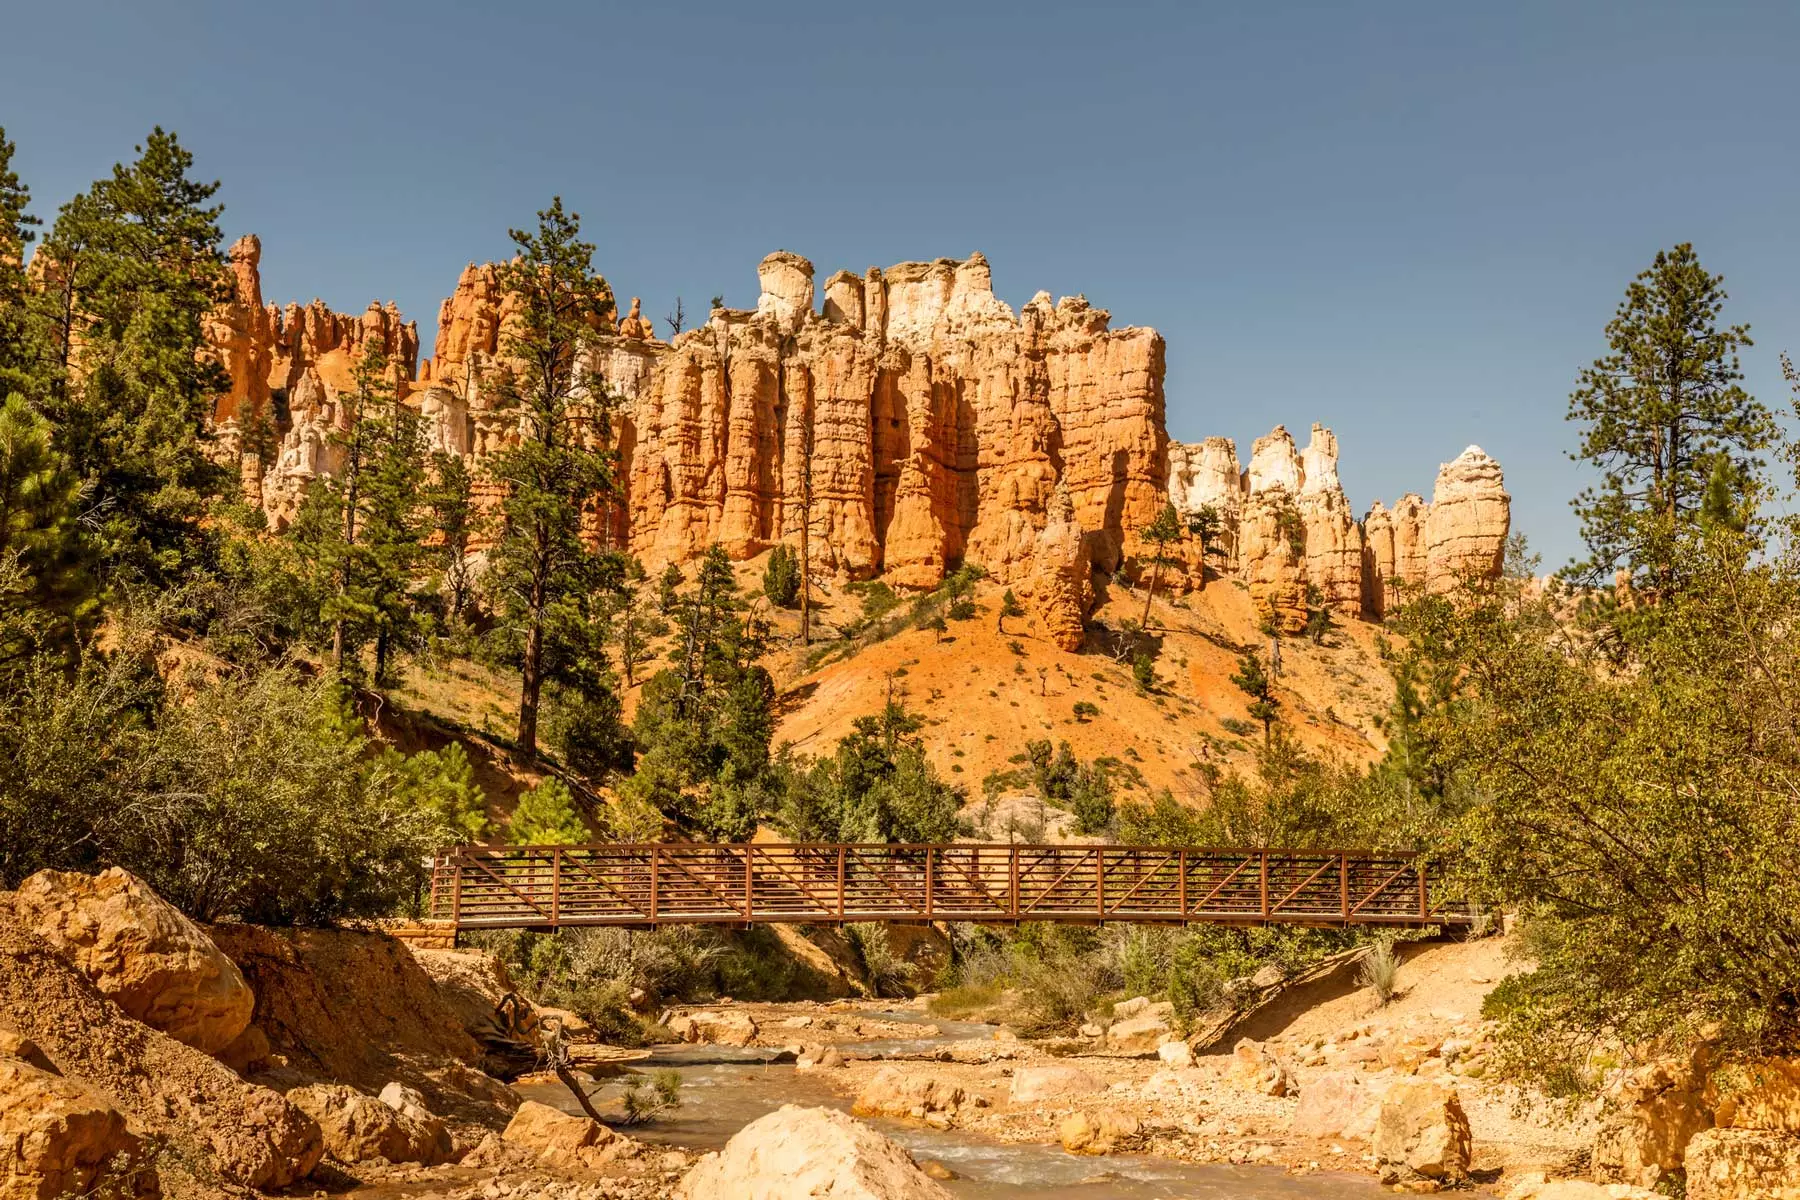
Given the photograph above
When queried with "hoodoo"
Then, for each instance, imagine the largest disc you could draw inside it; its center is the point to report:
(929, 423)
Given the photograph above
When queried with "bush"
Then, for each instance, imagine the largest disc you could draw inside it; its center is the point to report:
(781, 577)
(886, 973)
(255, 797)
(878, 599)
(644, 1097)
(1086, 710)
(1143, 671)
(586, 727)
(1379, 970)
(546, 816)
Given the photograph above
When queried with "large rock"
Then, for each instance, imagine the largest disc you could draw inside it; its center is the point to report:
(727, 1028)
(1337, 1104)
(800, 1153)
(59, 1140)
(1255, 1068)
(1538, 1188)
(358, 1127)
(1652, 1113)
(1087, 1132)
(897, 1092)
(1141, 1032)
(212, 1120)
(1761, 1095)
(1421, 1134)
(1743, 1164)
(1034, 1085)
(1465, 531)
(139, 951)
(558, 1139)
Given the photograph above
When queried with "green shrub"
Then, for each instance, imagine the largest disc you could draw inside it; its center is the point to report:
(1086, 710)
(547, 816)
(781, 577)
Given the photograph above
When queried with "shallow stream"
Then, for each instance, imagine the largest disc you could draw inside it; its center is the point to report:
(724, 1089)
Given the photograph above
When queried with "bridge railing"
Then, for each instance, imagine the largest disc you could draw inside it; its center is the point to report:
(480, 887)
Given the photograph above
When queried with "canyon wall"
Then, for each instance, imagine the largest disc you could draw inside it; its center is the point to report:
(1286, 528)
(908, 417)
(290, 366)
(929, 424)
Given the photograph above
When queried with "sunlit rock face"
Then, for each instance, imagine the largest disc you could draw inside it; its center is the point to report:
(1287, 529)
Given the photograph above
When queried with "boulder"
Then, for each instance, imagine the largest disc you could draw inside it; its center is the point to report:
(1254, 1068)
(1034, 1085)
(1097, 1132)
(728, 1028)
(895, 1092)
(1175, 1054)
(1761, 1095)
(359, 1128)
(57, 1139)
(139, 951)
(1337, 1104)
(1421, 1134)
(557, 1139)
(797, 1153)
(1141, 1034)
(1536, 1187)
(1743, 1164)
(1652, 1113)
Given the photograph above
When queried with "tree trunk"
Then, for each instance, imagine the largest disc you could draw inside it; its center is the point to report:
(529, 683)
(1155, 574)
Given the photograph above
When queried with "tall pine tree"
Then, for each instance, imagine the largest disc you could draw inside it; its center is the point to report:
(558, 473)
(133, 268)
(17, 361)
(1659, 413)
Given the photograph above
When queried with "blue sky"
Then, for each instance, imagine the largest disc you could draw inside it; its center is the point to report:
(1409, 221)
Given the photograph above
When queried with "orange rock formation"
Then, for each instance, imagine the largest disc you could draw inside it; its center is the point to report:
(930, 424)
(1287, 528)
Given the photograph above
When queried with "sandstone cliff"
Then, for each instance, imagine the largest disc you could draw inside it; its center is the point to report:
(929, 423)
(1287, 529)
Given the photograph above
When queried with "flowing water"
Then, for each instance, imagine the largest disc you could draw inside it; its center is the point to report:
(724, 1089)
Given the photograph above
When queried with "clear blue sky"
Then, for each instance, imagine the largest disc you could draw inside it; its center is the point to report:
(1409, 221)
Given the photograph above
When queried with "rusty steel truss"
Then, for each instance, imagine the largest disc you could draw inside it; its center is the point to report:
(496, 887)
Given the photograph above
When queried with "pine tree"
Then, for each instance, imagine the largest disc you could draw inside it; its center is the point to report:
(557, 473)
(46, 587)
(17, 362)
(1165, 529)
(451, 500)
(134, 269)
(1254, 683)
(364, 524)
(1657, 413)
(781, 577)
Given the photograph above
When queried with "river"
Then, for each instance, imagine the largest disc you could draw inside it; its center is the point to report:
(724, 1089)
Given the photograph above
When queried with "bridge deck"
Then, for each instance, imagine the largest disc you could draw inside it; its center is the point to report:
(482, 887)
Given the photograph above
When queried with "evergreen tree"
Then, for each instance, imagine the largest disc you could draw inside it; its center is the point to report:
(557, 473)
(18, 364)
(47, 590)
(1165, 529)
(1657, 413)
(547, 816)
(705, 723)
(1205, 525)
(451, 500)
(363, 525)
(781, 577)
(134, 269)
(1254, 683)
(635, 622)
